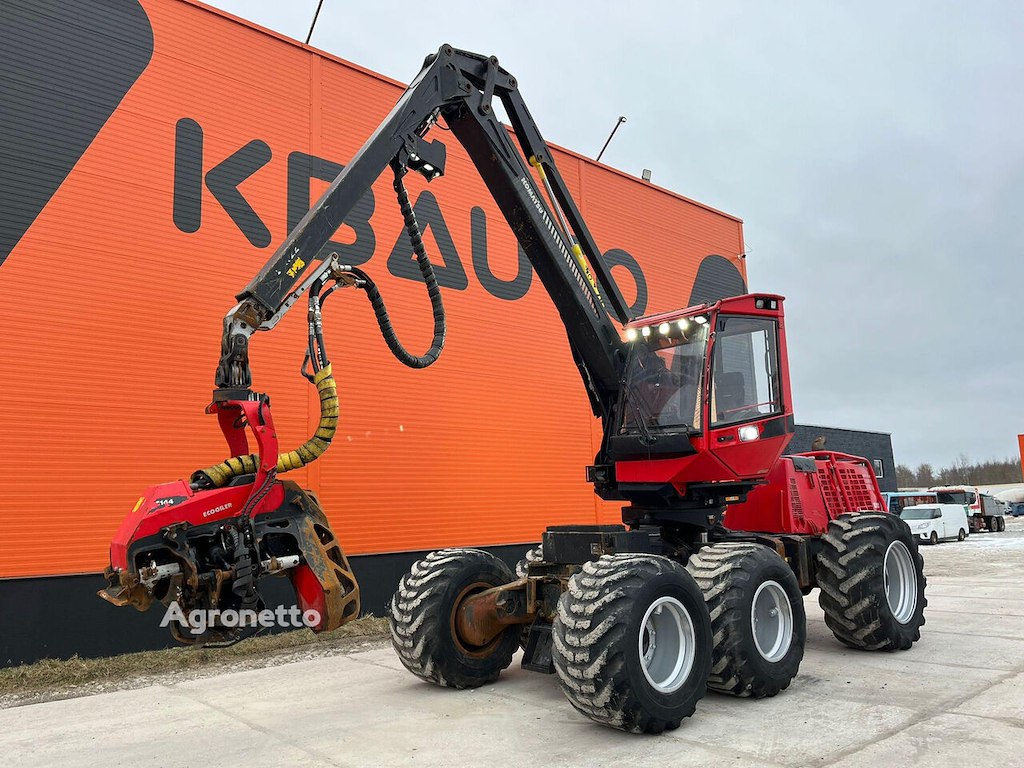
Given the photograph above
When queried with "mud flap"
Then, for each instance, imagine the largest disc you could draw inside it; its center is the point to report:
(324, 582)
(537, 655)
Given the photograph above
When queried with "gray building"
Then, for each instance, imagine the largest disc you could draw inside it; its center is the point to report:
(874, 446)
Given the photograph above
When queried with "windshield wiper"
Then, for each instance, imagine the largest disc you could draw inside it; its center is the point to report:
(640, 416)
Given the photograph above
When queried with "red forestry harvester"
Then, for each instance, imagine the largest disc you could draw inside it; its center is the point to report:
(702, 584)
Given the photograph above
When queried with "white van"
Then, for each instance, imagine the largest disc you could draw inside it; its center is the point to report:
(937, 522)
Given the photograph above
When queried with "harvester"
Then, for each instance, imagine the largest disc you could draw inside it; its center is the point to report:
(722, 535)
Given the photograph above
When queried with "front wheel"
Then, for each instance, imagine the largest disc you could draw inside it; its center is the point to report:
(423, 612)
(962, 535)
(757, 618)
(934, 538)
(632, 642)
(872, 582)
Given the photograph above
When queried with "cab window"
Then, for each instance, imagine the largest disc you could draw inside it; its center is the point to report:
(745, 370)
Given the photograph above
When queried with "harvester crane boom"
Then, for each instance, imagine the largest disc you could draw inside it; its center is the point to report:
(457, 87)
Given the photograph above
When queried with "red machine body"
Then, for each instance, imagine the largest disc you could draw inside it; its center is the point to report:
(169, 503)
(806, 490)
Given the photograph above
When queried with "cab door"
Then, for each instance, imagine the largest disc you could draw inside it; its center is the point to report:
(748, 427)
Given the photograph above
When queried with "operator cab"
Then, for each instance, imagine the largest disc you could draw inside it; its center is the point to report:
(705, 396)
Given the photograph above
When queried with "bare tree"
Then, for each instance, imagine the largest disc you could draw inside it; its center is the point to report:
(964, 471)
(905, 477)
(924, 476)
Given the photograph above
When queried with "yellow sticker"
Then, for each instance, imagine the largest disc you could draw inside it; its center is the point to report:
(138, 503)
(296, 266)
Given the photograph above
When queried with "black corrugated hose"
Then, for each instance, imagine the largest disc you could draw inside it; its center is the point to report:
(220, 474)
(433, 290)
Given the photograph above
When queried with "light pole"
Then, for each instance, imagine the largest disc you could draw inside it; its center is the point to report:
(620, 121)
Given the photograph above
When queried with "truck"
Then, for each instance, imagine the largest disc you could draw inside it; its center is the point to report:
(984, 511)
(895, 501)
(702, 583)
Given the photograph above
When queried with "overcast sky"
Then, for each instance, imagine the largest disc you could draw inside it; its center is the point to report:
(874, 150)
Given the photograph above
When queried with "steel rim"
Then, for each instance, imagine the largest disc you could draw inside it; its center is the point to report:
(667, 644)
(900, 580)
(476, 651)
(771, 619)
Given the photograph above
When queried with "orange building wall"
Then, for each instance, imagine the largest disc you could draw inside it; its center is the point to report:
(111, 321)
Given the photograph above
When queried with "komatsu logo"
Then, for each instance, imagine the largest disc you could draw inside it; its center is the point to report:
(215, 510)
(569, 261)
(198, 177)
(544, 214)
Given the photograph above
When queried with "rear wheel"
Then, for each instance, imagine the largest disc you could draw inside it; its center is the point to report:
(872, 582)
(757, 618)
(1002, 524)
(533, 555)
(632, 642)
(422, 616)
(962, 535)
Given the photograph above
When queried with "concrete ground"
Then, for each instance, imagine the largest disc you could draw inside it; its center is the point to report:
(955, 699)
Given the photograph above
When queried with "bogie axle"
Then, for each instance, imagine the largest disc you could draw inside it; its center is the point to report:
(613, 613)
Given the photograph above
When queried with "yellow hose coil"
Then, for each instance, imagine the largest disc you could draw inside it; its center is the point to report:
(308, 452)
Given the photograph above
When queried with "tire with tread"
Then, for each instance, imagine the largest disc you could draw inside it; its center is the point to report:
(421, 617)
(961, 535)
(852, 584)
(533, 555)
(598, 633)
(934, 538)
(729, 575)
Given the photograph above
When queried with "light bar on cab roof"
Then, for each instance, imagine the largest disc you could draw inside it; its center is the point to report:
(666, 328)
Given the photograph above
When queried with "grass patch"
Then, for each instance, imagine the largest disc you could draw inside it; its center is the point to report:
(65, 675)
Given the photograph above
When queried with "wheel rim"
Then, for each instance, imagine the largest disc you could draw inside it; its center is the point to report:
(900, 578)
(771, 619)
(667, 644)
(476, 651)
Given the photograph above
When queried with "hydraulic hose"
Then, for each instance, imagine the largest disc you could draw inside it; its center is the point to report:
(433, 290)
(220, 474)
